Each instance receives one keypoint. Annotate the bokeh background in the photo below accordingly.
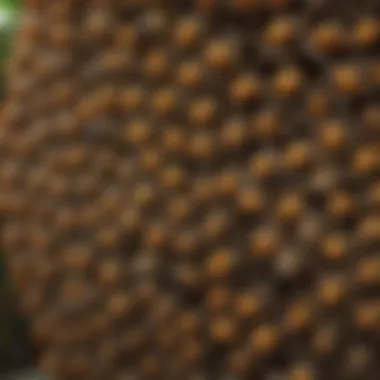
(15, 350)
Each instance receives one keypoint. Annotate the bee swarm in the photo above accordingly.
(191, 189)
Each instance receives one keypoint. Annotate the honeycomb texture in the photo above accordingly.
(190, 190)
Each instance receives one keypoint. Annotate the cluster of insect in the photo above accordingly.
(191, 190)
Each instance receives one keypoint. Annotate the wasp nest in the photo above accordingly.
(191, 189)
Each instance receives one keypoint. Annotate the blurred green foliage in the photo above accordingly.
(9, 10)
(13, 343)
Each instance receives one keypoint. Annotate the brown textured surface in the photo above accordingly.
(191, 190)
